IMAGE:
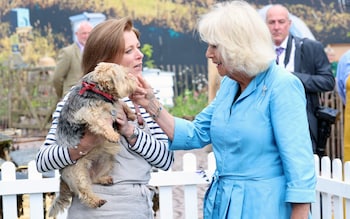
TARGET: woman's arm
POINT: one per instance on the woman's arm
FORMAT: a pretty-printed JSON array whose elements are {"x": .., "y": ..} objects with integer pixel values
[
  {"x": 52, "y": 156},
  {"x": 145, "y": 97},
  {"x": 300, "y": 211},
  {"x": 154, "y": 151},
  {"x": 152, "y": 145},
  {"x": 292, "y": 136},
  {"x": 163, "y": 118},
  {"x": 189, "y": 135}
]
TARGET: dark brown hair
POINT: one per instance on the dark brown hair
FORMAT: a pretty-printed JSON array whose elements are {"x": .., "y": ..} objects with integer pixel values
[{"x": 106, "y": 43}]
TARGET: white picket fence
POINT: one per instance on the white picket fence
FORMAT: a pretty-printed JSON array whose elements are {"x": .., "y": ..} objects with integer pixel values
[{"x": 333, "y": 189}]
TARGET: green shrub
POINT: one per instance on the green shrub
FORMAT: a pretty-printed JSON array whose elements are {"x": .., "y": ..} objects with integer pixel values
[{"x": 189, "y": 104}]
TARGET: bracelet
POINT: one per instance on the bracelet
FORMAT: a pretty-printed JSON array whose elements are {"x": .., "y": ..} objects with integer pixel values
[
  {"x": 134, "y": 134},
  {"x": 155, "y": 116},
  {"x": 81, "y": 153},
  {"x": 154, "y": 108}
]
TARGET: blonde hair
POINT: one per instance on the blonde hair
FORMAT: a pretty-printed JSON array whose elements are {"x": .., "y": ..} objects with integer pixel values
[{"x": 241, "y": 36}]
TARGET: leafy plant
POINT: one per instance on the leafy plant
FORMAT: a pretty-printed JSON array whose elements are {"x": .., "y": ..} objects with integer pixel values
[
  {"x": 32, "y": 45},
  {"x": 147, "y": 50},
  {"x": 189, "y": 104}
]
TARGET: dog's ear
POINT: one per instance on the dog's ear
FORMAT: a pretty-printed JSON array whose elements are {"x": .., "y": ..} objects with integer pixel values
[
  {"x": 114, "y": 79},
  {"x": 104, "y": 76}
]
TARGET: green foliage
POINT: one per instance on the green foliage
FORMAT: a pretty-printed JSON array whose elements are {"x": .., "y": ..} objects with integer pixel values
[
  {"x": 178, "y": 15},
  {"x": 147, "y": 50},
  {"x": 189, "y": 104},
  {"x": 324, "y": 22},
  {"x": 4, "y": 80},
  {"x": 32, "y": 45},
  {"x": 39, "y": 46}
]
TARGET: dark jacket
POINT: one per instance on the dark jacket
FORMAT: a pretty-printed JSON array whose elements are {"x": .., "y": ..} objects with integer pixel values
[{"x": 312, "y": 67}]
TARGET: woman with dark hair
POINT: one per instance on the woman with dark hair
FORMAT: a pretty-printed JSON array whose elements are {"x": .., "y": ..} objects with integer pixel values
[{"x": 144, "y": 144}]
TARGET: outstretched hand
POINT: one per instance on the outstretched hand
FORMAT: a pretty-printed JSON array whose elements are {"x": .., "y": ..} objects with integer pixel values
[
  {"x": 145, "y": 97},
  {"x": 143, "y": 94}
]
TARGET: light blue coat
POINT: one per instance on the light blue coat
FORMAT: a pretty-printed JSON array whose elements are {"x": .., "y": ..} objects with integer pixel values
[{"x": 262, "y": 147}]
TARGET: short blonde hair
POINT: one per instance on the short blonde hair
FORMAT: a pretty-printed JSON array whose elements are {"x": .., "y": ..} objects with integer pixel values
[{"x": 241, "y": 36}]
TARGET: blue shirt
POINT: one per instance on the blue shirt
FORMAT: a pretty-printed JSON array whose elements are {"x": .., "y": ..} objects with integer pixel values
[
  {"x": 262, "y": 147},
  {"x": 343, "y": 72}
]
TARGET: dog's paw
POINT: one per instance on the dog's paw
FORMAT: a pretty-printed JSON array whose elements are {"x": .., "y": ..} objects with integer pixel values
[
  {"x": 100, "y": 203},
  {"x": 97, "y": 203},
  {"x": 131, "y": 117},
  {"x": 113, "y": 137},
  {"x": 105, "y": 180}
]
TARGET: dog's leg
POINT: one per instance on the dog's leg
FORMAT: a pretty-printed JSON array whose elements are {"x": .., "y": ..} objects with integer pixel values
[
  {"x": 100, "y": 121},
  {"x": 130, "y": 114},
  {"x": 62, "y": 200},
  {"x": 103, "y": 164},
  {"x": 104, "y": 180},
  {"x": 78, "y": 179}
]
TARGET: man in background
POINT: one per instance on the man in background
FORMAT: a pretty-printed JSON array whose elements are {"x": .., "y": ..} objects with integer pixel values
[
  {"x": 304, "y": 58},
  {"x": 68, "y": 68},
  {"x": 331, "y": 57}
]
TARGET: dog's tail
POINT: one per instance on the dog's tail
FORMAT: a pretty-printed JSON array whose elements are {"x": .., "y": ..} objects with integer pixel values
[{"x": 62, "y": 201}]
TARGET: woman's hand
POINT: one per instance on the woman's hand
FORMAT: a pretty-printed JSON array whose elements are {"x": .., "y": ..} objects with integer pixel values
[
  {"x": 124, "y": 127},
  {"x": 145, "y": 97},
  {"x": 87, "y": 143},
  {"x": 143, "y": 94}
]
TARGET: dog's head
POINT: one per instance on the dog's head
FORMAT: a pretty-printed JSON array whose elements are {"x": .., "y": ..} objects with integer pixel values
[{"x": 112, "y": 79}]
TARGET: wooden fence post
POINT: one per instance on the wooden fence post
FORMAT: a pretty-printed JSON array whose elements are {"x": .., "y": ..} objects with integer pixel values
[
  {"x": 326, "y": 198},
  {"x": 316, "y": 207},
  {"x": 190, "y": 191},
  {"x": 9, "y": 202},
  {"x": 37, "y": 210},
  {"x": 337, "y": 172},
  {"x": 347, "y": 180}
]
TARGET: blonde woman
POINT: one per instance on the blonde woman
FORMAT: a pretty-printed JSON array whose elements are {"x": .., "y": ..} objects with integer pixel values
[{"x": 257, "y": 123}]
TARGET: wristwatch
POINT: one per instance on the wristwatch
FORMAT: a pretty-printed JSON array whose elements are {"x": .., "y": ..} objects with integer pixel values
[{"x": 135, "y": 134}]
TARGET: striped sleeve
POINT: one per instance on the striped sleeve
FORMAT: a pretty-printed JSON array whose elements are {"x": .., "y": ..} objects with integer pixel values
[
  {"x": 51, "y": 156},
  {"x": 152, "y": 147}
]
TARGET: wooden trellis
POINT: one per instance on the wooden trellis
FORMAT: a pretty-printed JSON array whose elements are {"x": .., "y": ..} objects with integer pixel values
[{"x": 31, "y": 98}]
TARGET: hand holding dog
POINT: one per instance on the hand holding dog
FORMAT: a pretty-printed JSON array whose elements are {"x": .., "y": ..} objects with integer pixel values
[
  {"x": 87, "y": 142},
  {"x": 125, "y": 127}
]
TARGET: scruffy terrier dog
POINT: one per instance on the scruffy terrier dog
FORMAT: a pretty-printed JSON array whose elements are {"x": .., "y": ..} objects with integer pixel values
[{"x": 92, "y": 104}]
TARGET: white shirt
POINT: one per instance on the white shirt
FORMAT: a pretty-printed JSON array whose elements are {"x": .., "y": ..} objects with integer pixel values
[{"x": 290, "y": 64}]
